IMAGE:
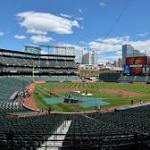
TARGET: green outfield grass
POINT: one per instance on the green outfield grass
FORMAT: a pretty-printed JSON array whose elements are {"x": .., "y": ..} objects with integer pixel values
[{"x": 96, "y": 89}]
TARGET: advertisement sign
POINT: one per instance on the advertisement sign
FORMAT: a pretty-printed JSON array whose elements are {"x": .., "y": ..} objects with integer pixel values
[{"x": 137, "y": 71}]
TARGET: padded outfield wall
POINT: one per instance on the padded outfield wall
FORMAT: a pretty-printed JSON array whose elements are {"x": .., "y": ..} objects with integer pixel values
[{"x": 109, "y": 76}]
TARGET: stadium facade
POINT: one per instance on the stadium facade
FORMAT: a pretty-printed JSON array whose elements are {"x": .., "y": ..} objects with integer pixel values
[{"x": 23, "y": 63}]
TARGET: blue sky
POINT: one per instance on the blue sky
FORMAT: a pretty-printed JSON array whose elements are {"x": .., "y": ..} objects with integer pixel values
[{"x": 76, "y": 22}]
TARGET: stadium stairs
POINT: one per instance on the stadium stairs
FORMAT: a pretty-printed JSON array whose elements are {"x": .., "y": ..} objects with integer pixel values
[{"x": 124, "y": 130}]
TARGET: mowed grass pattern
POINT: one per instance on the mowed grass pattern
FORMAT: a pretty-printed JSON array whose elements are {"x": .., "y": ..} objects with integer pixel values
[{"x": 97, "y": 89}]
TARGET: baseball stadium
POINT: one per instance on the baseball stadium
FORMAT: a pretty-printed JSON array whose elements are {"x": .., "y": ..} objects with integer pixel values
[{"x": 46, "y": 105}]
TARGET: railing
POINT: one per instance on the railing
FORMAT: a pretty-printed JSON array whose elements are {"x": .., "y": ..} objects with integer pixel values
[{"x": 76, "y": 141}]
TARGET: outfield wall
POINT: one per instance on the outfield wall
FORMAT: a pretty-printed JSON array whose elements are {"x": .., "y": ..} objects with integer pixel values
[{"x": 109, "y": 76}]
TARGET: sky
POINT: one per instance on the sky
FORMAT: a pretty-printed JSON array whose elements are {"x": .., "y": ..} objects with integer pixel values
[{"x": 100, "y": 25}]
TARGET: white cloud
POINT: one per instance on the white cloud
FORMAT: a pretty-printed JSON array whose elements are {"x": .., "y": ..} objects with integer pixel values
[
  {"x": 79, "y": 18},
  {"x": 40, "y": 39},
  {"x": 143, "y": 34},
  {"x": 109, "y": 44},
  {"x": 83, "y": 43},
  {"x": 110, "y": 49},
  {"x": 1, "y": 33},
  {"x": 20, "y": 37},
  {"x": 142, "y": 45},
  {"x": 44, "y": 52},
  {"x": 65, "y": 15},
  {"x": 42, "y": 23},
  {"x": 102, "y": 4},
  {"x": 71, "y": 17},
  {"x": 80, "y": 11}
]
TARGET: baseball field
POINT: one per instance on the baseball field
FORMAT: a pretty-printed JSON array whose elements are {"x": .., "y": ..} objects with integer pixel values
[{"x": 111, "y": 94}]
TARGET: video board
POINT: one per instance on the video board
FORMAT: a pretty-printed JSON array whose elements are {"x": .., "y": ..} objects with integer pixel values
[
  {"x": 134, "y": 71},
  {"x": 136, "y": 66},
  {"x": 142, "y": 60}
]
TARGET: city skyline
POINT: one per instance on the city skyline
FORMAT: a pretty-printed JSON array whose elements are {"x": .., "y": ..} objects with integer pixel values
[{"x": 91, "y": 24}]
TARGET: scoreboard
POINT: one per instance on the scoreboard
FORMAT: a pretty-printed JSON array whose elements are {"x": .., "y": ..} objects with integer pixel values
[{"x": 137, "y": 66}]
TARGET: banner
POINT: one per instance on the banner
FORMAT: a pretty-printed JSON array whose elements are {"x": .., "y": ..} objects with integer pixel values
[{"x": 127, "y": 70}]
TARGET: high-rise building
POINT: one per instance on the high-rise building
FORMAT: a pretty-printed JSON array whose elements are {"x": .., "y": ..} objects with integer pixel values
[
  {"x": 32, "y": 49},
  {"x": 118, "y": 63},
  {"x": 64, "y": 51},
  {"x": 79, "y": 55},
  {"x": 89, "y": 58},
  {"x": 126, "y": 51},
  {"x": 94, "y": 58},
  {"x": 129, "y": 51},
  {"x": 72, "y": 51},
  {"x": 86, "y": 58}
]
